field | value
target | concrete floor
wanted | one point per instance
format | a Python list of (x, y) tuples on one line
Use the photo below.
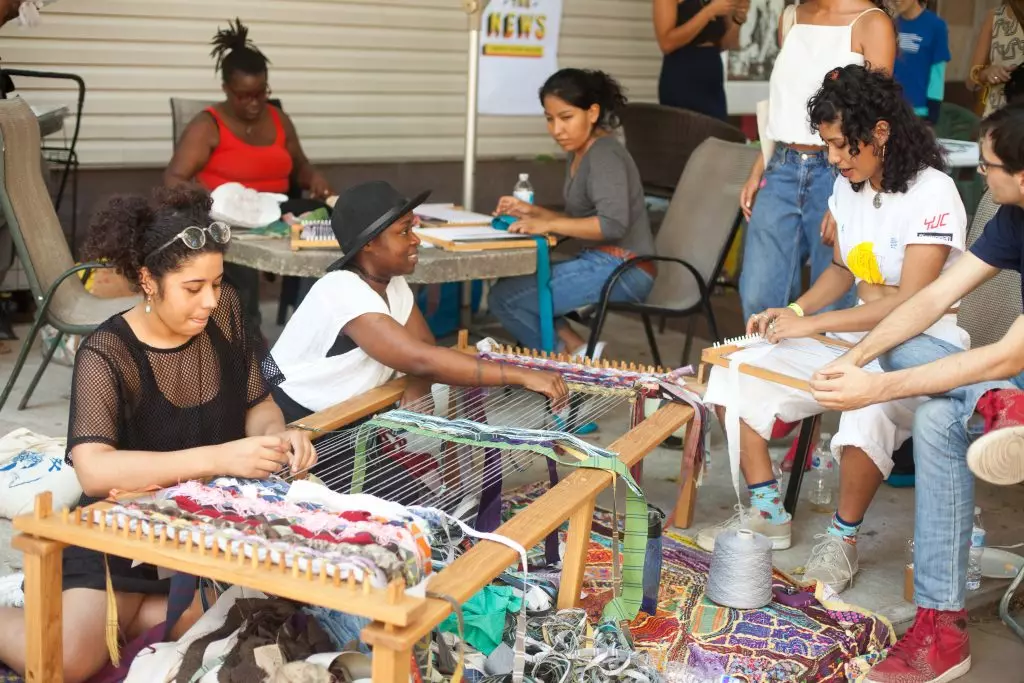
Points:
[(998, 655)]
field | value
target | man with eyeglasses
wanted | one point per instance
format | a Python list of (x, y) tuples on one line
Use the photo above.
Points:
[(976, 391)]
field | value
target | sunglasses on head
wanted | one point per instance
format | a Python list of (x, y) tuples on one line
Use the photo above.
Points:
[(194, 237)]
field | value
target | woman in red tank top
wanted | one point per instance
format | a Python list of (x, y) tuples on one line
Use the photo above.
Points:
[(244, 139)]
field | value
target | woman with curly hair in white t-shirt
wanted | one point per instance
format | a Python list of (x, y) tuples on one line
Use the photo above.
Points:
[(900, 224)]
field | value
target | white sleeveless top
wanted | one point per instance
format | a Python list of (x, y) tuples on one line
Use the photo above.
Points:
[(808, 53)]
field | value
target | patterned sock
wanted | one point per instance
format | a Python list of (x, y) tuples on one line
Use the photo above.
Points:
[(766, 498), (844, 530)]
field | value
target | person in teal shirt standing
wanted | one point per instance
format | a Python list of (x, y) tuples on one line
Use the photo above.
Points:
[(921, 60)]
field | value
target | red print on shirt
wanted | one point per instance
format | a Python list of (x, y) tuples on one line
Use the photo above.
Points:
[(936, 222)]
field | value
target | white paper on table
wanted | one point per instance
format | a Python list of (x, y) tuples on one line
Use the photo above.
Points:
[(447, 213), (480, 234)]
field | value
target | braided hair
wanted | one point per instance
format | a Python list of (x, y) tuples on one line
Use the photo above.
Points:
[(235, 53)]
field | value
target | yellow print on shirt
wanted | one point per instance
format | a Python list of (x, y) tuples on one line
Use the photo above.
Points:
[(863, 264)]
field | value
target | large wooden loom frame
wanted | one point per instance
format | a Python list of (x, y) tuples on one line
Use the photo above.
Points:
[(400, 621)]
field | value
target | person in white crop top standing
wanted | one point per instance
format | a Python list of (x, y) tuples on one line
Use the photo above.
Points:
[(792, 190), (788, 224)]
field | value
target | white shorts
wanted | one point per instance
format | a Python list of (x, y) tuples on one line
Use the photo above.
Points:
[(877, 429)]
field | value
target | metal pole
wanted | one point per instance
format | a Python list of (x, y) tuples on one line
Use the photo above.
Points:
[(474, 11)]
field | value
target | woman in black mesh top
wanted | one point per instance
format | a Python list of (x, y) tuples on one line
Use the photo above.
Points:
[(176, 388)]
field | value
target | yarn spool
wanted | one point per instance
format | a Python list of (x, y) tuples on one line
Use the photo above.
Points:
[(741, 570)]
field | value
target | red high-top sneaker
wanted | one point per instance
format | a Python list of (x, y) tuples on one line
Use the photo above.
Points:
[(936, 649), (998, 456)]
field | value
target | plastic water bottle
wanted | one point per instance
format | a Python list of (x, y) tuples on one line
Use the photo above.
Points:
[(977, 548), (523, 190), (819, 492)]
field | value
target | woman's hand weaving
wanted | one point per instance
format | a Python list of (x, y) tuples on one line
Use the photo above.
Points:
[(759, 323), (303, 454), (789, 327), (256, 457), (549, 384)]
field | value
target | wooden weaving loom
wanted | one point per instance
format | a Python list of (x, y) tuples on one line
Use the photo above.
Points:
[(719, 355), (399, 620)]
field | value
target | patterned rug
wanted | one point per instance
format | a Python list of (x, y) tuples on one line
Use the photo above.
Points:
[(690, 636)]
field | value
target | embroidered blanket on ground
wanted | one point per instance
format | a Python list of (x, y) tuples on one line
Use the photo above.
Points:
[(826, 641)]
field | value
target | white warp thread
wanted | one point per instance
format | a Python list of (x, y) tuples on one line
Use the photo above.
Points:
[(741, 570)]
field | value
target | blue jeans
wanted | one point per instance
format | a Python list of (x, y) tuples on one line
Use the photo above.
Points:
[(785, 231), (944, 501), (574, 284)]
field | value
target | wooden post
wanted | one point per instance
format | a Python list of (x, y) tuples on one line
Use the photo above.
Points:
[(682, 515), (391, 666), (575, 560), (44, 641)]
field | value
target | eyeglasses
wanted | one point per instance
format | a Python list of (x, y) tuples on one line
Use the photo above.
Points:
[(194, 237), (246, 97), (984, 166)]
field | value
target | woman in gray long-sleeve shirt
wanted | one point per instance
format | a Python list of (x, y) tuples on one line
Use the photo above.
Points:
[(604, 206)]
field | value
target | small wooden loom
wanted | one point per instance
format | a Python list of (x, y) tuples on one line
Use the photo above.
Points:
[(399, 620), (720, 352)]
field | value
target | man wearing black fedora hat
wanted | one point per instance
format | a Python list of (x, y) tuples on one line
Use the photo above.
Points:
[(359, 324)]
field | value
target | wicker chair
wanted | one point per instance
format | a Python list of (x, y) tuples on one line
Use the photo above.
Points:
[(661, 140), (987, 312), (61, 299)]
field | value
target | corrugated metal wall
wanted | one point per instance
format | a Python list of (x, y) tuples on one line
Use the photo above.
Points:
[(371, 80)]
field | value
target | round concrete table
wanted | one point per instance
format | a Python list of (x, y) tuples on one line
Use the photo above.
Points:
[(435, 266)]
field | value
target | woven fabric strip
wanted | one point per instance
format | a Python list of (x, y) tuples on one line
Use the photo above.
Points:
[(577, 375), (554, 446)]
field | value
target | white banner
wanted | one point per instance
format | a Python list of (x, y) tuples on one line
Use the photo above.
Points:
[(519, 50)]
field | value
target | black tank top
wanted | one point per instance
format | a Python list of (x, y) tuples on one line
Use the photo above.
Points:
[(712, 33)]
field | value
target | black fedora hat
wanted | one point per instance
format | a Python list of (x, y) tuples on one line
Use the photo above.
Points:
[(365, 211)]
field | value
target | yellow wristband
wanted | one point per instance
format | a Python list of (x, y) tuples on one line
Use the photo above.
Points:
[(795, 307)]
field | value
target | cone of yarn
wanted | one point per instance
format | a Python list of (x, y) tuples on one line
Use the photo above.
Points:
[(741, 570)]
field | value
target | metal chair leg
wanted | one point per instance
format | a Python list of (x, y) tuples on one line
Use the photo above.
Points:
[(1004, 606), (688, 345), (26, 346), (804, 445), (39, 373), (651, 339)]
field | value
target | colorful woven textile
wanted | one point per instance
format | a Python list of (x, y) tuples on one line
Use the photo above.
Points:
[(821, 642), (8, 676), (583, 376), (253, 517)]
